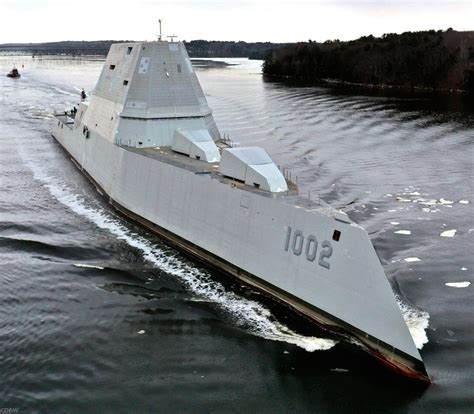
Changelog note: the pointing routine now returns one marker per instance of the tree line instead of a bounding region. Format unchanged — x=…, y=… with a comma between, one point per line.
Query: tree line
x=431, y=59
x=71, y=48
x=216, y=48
x=195, y=48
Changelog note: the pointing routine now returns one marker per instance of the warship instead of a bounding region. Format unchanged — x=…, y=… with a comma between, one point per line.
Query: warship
x=147, y=139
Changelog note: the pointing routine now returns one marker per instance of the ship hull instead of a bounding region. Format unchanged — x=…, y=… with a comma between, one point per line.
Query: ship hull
x=105, y=165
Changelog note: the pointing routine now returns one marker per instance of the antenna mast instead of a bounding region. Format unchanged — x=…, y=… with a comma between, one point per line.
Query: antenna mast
x=159, y=36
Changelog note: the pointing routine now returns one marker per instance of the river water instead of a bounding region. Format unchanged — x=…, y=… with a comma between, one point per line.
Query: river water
x=98, y=315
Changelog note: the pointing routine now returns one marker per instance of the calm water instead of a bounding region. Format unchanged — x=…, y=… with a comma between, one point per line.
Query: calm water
x=98, y=315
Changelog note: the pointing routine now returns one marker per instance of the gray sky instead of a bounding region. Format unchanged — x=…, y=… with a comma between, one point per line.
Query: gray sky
x=257, y=20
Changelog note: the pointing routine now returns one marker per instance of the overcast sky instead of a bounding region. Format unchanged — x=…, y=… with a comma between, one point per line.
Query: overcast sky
x=256, y=20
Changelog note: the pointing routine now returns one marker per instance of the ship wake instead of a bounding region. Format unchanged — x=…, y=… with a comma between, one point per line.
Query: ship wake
x=416, y=320
x=248, y=314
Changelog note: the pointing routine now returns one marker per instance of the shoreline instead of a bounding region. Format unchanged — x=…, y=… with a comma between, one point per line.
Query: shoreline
x=307, y=81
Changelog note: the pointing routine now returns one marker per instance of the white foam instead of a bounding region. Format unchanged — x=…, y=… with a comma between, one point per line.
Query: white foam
x=249, y=314
x=405, y=232
x=417, y=322
x=458, y=284
x=412, y=259
x=64, y=92
x=394, y=223
x=339, y=370
x=88, y=266
x=141, y=332
x=448, y=233
x=463, y=201
x=463, y=268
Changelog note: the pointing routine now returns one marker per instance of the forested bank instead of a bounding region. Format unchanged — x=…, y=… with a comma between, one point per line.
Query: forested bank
x=195, y=48
x=434, y=60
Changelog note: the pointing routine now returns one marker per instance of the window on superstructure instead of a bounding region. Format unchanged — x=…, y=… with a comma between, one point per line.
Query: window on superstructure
x=125, y=82
x=112, y=67
x=129, y=50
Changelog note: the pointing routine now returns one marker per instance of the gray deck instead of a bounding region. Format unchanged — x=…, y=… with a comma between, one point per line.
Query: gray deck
x=167, y=155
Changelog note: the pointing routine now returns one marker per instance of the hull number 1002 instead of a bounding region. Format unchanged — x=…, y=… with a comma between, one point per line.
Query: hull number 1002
x=299, y=244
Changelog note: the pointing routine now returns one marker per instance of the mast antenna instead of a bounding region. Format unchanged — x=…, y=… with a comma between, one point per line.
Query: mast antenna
x=159, y=36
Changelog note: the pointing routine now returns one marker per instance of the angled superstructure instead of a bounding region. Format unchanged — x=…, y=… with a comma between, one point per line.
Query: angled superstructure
x=148, y=140
x=146, y=92
x=196, y=144
x=252, y=166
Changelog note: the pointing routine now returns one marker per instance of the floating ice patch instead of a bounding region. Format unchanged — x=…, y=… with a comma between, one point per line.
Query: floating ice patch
x=394, y=223
x=448, y=233
x=458, y=284
x=417, y=322
x=403, y=200
x=88, y=266
x=405, y=232
x=430, y=210
x=412, y=259
x=445, y=202
x=249, y=314
x=463, y=202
